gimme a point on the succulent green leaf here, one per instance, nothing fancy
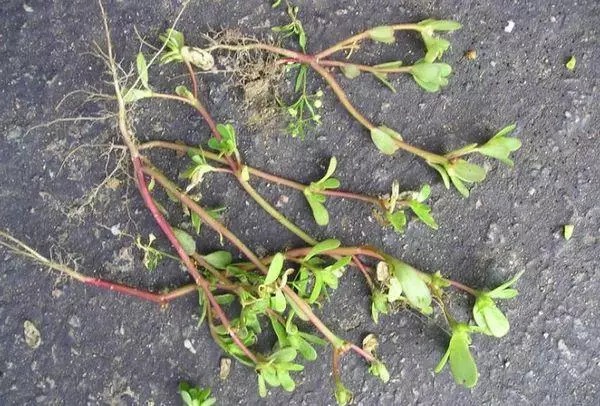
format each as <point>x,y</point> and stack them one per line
<point>383,138</point>
<point>287,354</point>
<point>275,269</point>
<point>219,259</point>
<point>227,131</point>
<point>500,146</point>
<point>262,386</point>
<point>431,76</point>
<point>467,171</point>
<point>297,310</point>
<point>350,71</point>
<point>508,293</point>
<point>505,131</point>
<point>300,78</point>
<point>343,396</point>
<point>423,211</point>
<point>391,64</point>
<point>397,220</point>
<point>331,183</point>
<point>318,209</point>
<point>383,33</point>
<point>394,290</point>
<point>489,317</point>
<point>379,369</point>
<point>225,299</point>
<point>462,363</point>
<point>313,339</point>
<point>302,39</point>
<point>435,47</point>
<point>443,173</point>
<point>460,186</point>
<point>424,193</point>
<point>317,288</point>
<point>440,25</point>
<point>440,366</point>
<point>495,292</point>
<point>330,169</point>
<point>287,383</point>
<point>186,241</point>
<point>383,78</point>
<point>278,302</point>
<point>174,37</point>
<point>270,376</point>
<point>416,291</point>
<point>379,304</point>
<point>195,396</point>
<point>323,246</point>
<point>304,348</point>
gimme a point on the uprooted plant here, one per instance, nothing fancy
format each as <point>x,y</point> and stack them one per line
<point>428,73</point>
<point>280,292</point>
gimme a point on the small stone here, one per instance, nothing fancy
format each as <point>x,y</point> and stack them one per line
<point>224,368</point>
<point>115,230</point>
<point>74,322</point>
<point>283,199</point>
<point>509,27</point>
<point>33,338</point>
<point>188,345</point>
<point>14,133</point>
<point>27,8</point>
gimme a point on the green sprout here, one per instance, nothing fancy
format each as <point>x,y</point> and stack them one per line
<point>195,396</point>
<point>485,312</point>
<point>459,171</point>
<point>316,198</point>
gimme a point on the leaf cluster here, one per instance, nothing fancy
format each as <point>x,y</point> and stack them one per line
<point>314,196</point>
<point>458,171</point>
<point>436,46</point>
<point>294,27</point>
<point>489,320</point>
<point>412,200</point>
<point>227,145</point>
<point>195,396</point>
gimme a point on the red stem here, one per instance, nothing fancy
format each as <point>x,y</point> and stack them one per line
<point>168,231</point>
<point>193,78</point>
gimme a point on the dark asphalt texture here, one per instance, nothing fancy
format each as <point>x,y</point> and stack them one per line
<point>101,348</point>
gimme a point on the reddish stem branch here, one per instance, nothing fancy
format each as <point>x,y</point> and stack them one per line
<point>192,78</point>
<point>366,68</point>
<point>200,281</point>
<point>262,174</point>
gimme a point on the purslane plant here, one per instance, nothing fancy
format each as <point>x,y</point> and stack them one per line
<point>277,292</point>
<point>428,73</point>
